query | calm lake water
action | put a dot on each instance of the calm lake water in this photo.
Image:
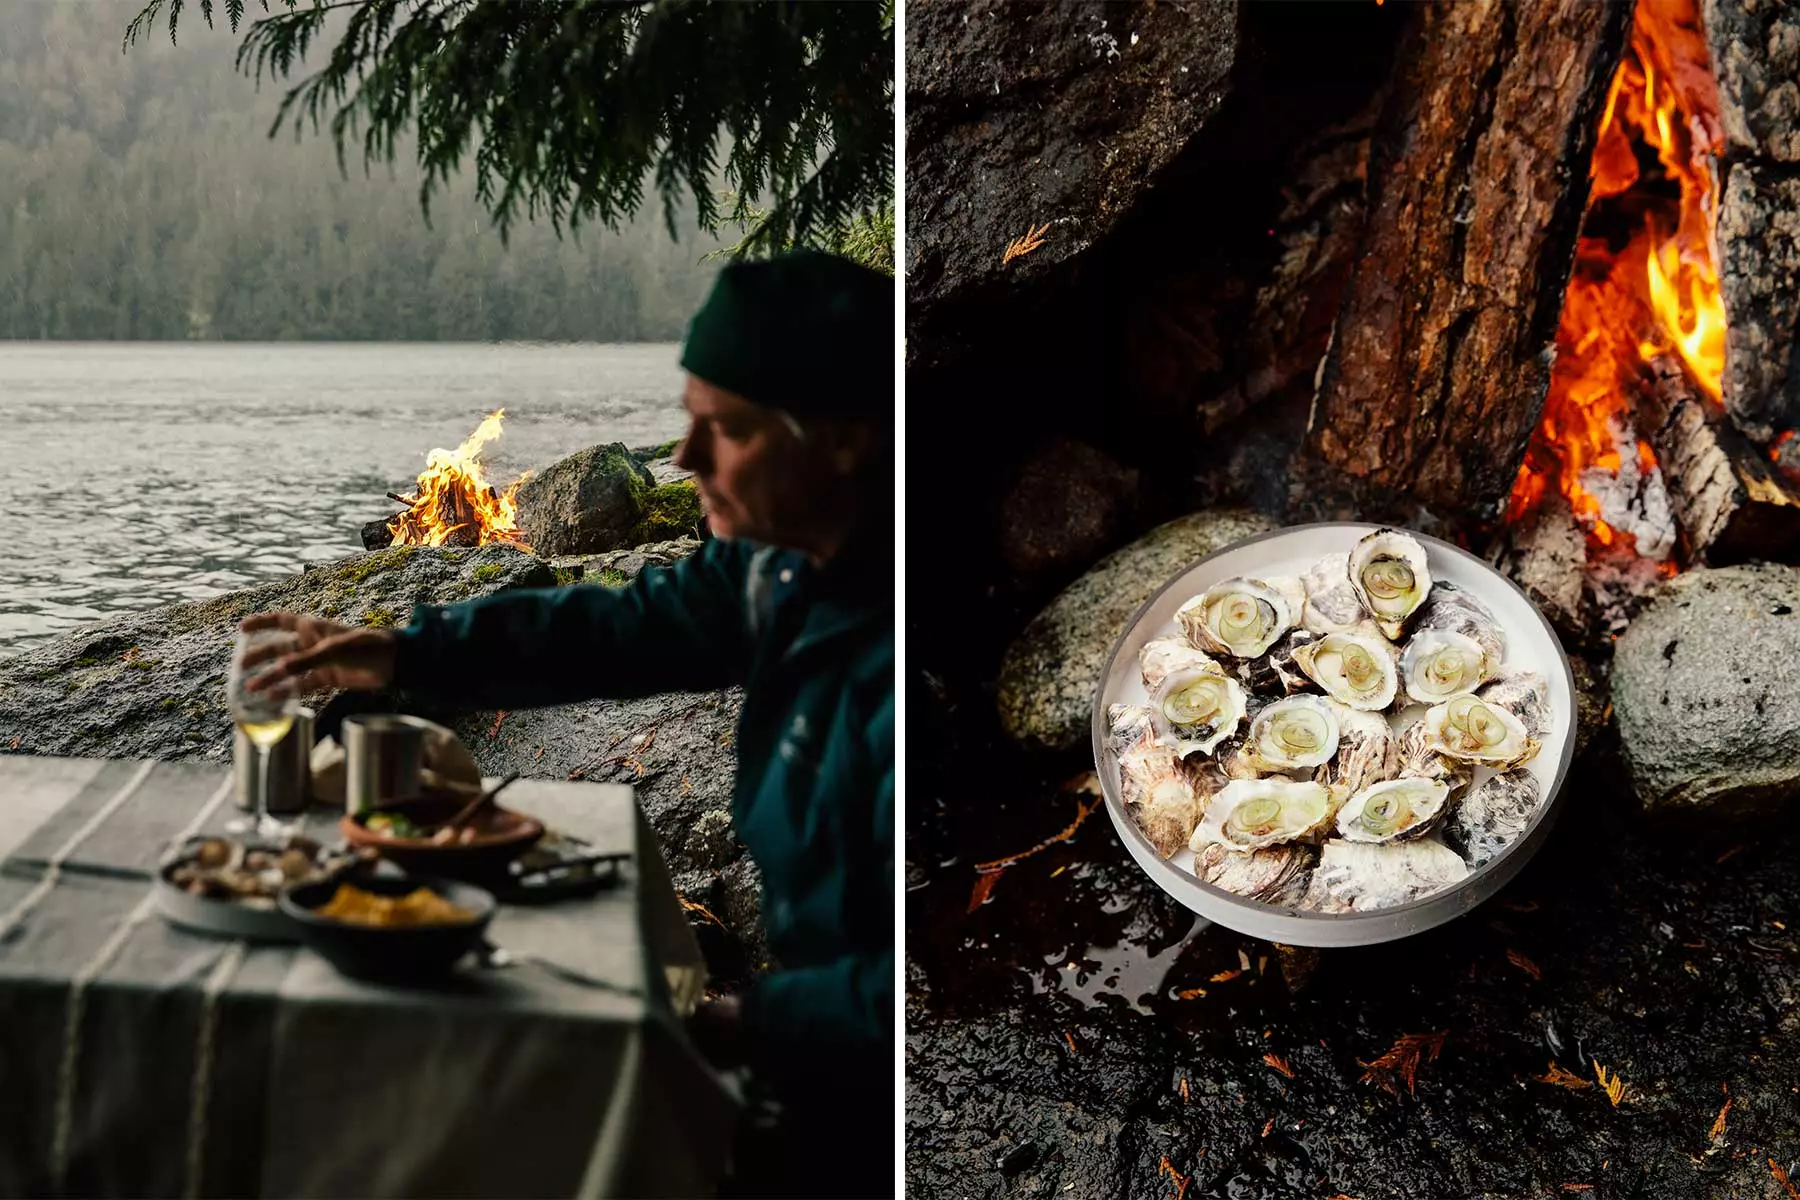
(134, 474)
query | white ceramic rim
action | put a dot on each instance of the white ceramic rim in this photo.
(1298, 928)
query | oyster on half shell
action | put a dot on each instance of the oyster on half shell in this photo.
(1195, 708)
(1395, 810)
(1355, 669)
(1295, 734)
(1248, 814)
(1440, 663)
(1415, 759)
(1472, 730)
(1241, 618)
(1389, 571)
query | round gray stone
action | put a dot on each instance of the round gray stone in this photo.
(1047, 678)
(1706, 688)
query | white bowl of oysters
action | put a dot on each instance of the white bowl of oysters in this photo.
(1334, 734)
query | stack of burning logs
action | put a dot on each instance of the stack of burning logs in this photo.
(416, 526)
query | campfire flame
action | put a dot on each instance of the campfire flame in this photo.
(455, 504)
(1655, 295)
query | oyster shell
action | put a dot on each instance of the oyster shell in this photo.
(1524, 694)
(1193, 709)
(1470, 729)
(1367, 753)
(1395, 810)
(1491, 817)
(1161, 796)
(1295, 734)
(1276, 673)
(1355, 669)
(1359, 876)
(1440, 663)
(1453, 610)
(1391, 576)
(1241, 618)
(1332, 605)
(1127, 725)
(1162, 655)
(1415, 759)
(1275, 875)
(1248, 814)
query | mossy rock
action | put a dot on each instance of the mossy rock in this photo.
(586, 503)
(671, 510)
(649, 454)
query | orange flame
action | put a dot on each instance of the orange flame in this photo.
(454, 502)
(1659, 293)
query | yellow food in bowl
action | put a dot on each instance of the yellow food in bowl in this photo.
(421, 906)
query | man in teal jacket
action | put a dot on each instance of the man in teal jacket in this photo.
(791, 418)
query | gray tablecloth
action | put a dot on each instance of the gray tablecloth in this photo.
(139, 1058)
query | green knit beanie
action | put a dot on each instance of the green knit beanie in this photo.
(806, 332)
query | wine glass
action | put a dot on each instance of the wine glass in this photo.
(265, 717)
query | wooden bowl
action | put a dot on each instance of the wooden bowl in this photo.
(501, 835)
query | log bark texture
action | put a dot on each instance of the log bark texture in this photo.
(1733, 505)
(1758, 235)
(1755, 47)
(1441, 358)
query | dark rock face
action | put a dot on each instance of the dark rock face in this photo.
(1021, 116)
(588, 502)
(1068, 506)
(152, 684)
(1706, 686)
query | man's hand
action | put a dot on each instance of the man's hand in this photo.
(326, 654)
(717, 1028)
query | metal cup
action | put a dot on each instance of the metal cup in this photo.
(290, 768)
(383, 755)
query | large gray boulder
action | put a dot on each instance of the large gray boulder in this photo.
(1020, 116)
(1706, 688)
(152, 684)
(1048, 676)
(588, 502)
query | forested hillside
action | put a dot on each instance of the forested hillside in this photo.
(140, 198)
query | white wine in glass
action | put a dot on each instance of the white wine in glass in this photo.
(265, 717)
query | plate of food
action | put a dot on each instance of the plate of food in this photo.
(229, 887)
(1334, 734)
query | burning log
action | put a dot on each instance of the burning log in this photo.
(1441, 357)
(1546, 554)
(1731, 501)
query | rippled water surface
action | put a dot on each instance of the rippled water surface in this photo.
(133, 475)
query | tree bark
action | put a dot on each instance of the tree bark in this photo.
(1731, 502)
(1441, 357)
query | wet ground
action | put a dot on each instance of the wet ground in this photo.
(1076, 1032)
